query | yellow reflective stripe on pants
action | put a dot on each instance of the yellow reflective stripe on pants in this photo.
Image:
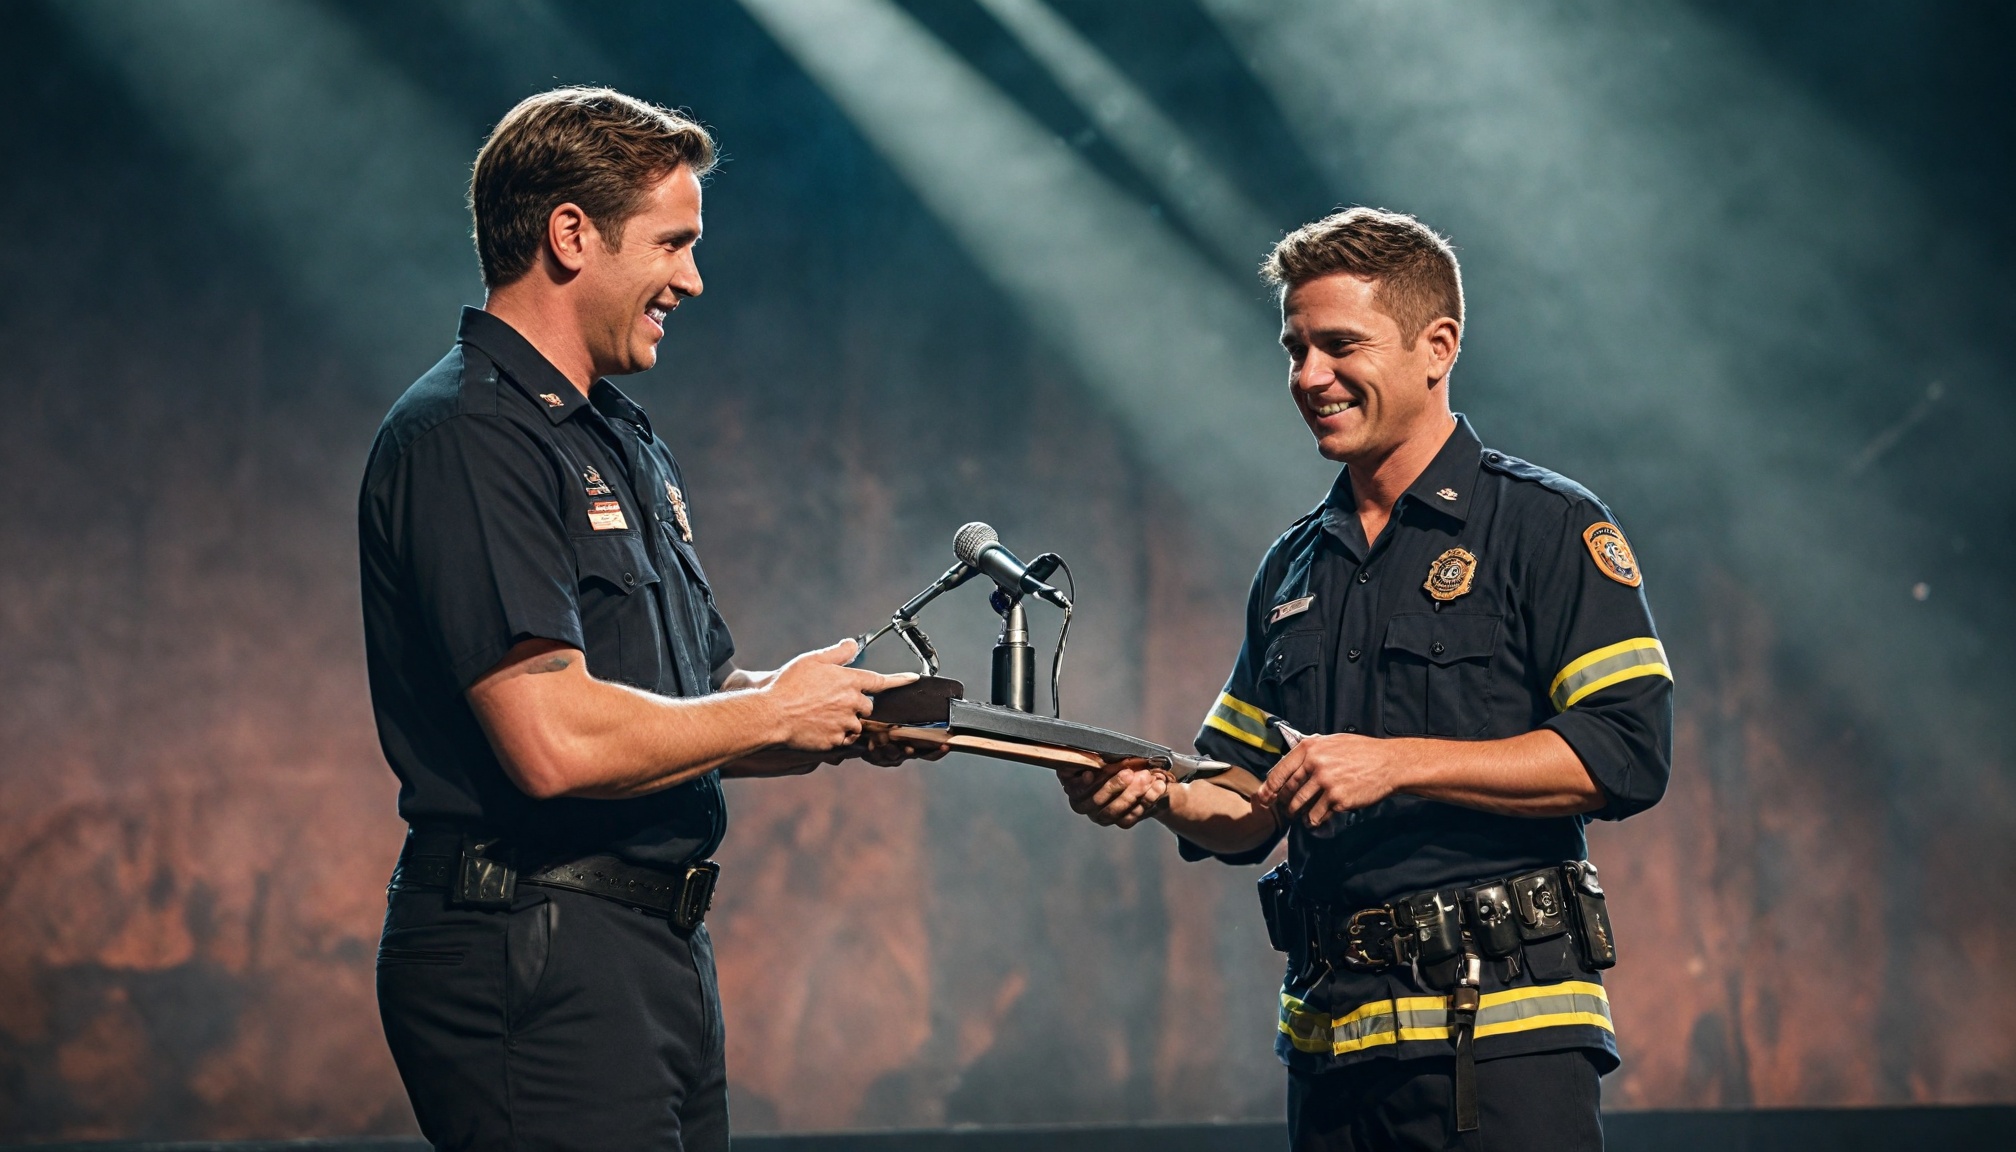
(1597, 670)
(1427, 1017)
(1243, 722)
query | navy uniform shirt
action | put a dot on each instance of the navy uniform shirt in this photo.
(500, 505)
(1500, 598)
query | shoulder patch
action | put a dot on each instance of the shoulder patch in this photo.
(1612, 555)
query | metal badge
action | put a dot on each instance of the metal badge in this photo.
(678, 501)
(1447, 494)
(1612, 555)
(1450, 575)
(552, 399)
(596, 485)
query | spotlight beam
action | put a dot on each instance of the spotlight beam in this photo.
(347, 175)
(1184, 360)
(1205, 197)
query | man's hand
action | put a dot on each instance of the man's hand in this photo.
(1325, 775)
(1121, 794)
(817, 702)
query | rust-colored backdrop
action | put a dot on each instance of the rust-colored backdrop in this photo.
(196, 825)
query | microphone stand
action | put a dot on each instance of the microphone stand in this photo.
(1014, 659)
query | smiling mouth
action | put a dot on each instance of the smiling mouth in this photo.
(656, 316)
(1322, 410)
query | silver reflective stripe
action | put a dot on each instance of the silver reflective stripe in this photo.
(1643, 656)
(1242, 722)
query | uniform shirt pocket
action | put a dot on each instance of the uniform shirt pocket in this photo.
(619, 610)
(1290, 686)
(1437, 674)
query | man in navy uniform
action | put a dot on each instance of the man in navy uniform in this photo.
(553, 685)
(1448, 669)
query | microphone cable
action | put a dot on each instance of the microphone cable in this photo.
(1063, 631)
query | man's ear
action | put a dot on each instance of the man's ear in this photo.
(568, 234)
(1445, 338)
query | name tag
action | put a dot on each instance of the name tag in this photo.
(607, 516)
(1291, 608)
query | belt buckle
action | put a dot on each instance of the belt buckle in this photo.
(696, 895)
(1365, 931)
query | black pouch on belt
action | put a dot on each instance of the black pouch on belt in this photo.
(1274, 907)
(1492, 923)
(1435, 926)
(1592, 915)
(481, 882)
(1538, 904)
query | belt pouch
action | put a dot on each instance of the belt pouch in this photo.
(1537, 900)
(481, 882)
(1435, 924)
(1489, 907)
(1274, 907)
(1592, 916)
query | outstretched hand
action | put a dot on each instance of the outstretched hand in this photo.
(1120, 794)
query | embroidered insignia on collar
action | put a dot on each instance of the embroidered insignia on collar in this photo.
(1447, 494)
(678, 501)
(596, 485)
(1450, 575)
(552, 399)
(1612, 555)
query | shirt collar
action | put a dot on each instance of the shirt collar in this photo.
(525, 365)
(610, 401)
(1443, 487)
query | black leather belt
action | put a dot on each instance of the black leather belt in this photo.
(474, 876)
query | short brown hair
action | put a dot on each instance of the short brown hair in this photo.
(1414, 269)
(593, 147)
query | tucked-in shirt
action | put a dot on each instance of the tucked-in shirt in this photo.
(501, 505)
(1501, 598)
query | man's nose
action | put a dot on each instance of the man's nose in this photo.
(687, 282)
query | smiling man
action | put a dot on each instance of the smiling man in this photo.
(1464, 638)
(553, 685)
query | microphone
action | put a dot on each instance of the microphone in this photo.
(979, 546)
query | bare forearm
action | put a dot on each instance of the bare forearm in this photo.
(1216, 818)
(1537, 774)
(608, 741)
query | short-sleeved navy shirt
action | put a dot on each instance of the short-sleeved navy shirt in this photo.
(1501, 598)
(500, 505)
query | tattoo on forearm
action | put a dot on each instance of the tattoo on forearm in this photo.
(550, 664)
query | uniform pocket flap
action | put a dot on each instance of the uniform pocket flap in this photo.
(1291, 654)
(1444, 638)
(618, 561)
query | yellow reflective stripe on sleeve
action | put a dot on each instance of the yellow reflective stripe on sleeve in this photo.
(1243, 723)
(1574, 1002)
(1597, 670)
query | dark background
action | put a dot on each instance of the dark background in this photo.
(1741, 268)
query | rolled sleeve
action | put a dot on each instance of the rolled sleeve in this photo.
(476, 508)
(1611, 685)
(1238, 731)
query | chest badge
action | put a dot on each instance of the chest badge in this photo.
(1291, 608)
(1450, 575)
(596, 485)
(607, 516)
(552, 399)
(677, 499)
(1612, 555)
(1448, 494)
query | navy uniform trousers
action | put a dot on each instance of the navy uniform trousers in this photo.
(1543, 1102)
(569, 1022)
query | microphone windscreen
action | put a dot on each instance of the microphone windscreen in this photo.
(971, 540)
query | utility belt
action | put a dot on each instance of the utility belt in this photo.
(483, 872)
(1444, 936)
